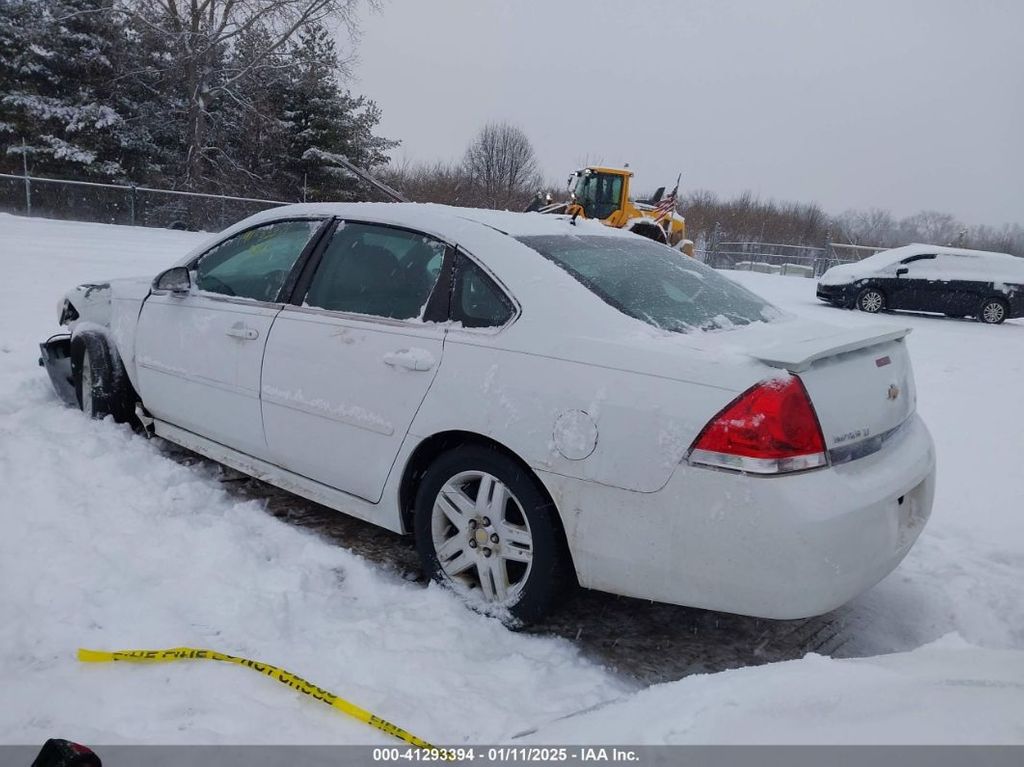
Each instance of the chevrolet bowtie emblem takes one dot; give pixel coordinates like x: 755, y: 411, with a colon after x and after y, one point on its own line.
x: 894, y: 391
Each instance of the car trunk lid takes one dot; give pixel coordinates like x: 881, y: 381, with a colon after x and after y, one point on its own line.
x: 860, y: 381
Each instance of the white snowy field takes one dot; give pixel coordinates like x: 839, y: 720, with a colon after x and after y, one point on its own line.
x: 107, y: 543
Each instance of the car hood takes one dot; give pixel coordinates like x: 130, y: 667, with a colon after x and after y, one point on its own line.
x: 844, y: 273
x: 92, y: 299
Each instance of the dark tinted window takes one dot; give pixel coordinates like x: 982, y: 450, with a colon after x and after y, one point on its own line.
x: 477, y: 302
x: 653, y: 282
x: 255, y: 263
x: 912, y: 259
x: 376, y: 270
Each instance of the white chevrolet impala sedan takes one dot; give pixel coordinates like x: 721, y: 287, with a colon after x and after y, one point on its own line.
x: 540, y: 402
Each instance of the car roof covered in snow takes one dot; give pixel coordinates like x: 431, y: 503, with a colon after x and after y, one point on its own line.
x: 434, y: 218
x: 921, y: 249
x: 965, y: 265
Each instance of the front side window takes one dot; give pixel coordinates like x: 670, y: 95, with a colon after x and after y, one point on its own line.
x: 477, y: 302
x: 924, y: 266
x: 378, y: 271
x: 255, y: 263
x: 653, y: 282
x: 923, y: 257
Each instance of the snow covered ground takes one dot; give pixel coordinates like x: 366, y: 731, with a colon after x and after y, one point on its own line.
x: 107, y: 542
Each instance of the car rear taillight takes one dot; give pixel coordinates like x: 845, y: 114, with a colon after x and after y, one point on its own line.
x: 769, y: 429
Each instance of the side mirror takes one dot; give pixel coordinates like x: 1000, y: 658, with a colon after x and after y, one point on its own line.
x: 175, y: 280
x: 901, y: 271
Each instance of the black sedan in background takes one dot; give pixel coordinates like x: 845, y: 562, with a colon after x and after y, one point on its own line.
x: 927, y: 278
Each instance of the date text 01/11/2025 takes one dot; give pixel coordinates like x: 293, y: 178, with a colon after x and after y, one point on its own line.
x: 505, y: 754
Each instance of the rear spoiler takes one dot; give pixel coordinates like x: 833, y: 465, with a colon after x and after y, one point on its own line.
x: 799, y: 354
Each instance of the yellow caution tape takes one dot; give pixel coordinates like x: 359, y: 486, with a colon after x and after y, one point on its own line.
x: 285, y: 677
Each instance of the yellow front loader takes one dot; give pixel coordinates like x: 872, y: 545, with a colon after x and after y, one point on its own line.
x: 603, y: 194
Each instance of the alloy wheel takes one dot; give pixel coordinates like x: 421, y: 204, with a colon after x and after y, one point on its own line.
x: 993, y: 312
x: 482, y: 537
x: 872, y: 301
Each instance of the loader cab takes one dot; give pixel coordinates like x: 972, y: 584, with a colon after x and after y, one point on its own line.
x: 599, y: 191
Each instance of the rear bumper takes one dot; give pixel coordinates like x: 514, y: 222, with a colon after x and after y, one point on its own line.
x: 779, y: 547
x: 55, y: 356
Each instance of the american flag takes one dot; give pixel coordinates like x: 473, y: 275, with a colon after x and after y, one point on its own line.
x: 667, y: 204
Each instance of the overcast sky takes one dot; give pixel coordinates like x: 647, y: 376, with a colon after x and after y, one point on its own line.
x: 905, y: 104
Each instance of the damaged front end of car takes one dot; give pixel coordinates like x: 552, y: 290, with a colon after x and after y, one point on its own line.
x: 55, y: 356
x: 88, y: 302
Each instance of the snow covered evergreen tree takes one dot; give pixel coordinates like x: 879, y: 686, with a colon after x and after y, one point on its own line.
x: 58, y: 58
x: 157, y: 92
x: 251, y: 128
x: 326, y: 118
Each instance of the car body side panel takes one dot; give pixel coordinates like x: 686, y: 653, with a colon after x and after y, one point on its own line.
x: 904, y: 293
x: 336, y: 407
x: 624, y: 429
x: 125, y: 306
x: 199, y: 360
x: 1015, y: 298
x: 949, y: 296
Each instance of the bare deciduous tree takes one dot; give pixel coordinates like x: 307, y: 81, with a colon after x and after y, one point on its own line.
x: 501, y: 163
x: 200, y: 31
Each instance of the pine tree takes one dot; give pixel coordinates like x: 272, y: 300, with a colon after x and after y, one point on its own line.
x: 60, y: 60
x: 124, y: 90
x: 22, y: 73
x: 323, y: 117
x: 251, y: 129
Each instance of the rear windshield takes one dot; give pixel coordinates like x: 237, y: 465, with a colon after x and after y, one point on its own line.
x: 653, y: 282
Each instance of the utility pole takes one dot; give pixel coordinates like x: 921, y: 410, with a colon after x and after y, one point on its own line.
x: 824, y: 257
x: 28, y: 182
x: 716, y: 239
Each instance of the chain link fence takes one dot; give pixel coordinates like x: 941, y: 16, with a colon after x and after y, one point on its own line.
x: 778, y: 258
x: 194, y: 211
x: 121, y: 204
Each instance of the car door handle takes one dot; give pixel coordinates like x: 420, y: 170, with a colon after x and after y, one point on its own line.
x: 238, y: 330
x: 410, y: 359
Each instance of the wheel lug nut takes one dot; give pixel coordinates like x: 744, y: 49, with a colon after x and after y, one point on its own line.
x: 494, y: 538
x: 472, y: 543
x: 472, y: 524
x: 487, y: 552
x: 486, y: 522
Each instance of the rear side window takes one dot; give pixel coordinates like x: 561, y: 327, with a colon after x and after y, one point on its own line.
x: 376, y: 270
x: 653, y: 282
x: 477, y: 302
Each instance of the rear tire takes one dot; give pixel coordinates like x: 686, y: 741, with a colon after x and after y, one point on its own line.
x: 871, y: 300
x: 485, y: 528
x: 101, y: 384
x: 993, y: 311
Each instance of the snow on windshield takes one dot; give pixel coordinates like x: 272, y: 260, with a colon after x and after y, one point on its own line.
x: 654, y: 283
